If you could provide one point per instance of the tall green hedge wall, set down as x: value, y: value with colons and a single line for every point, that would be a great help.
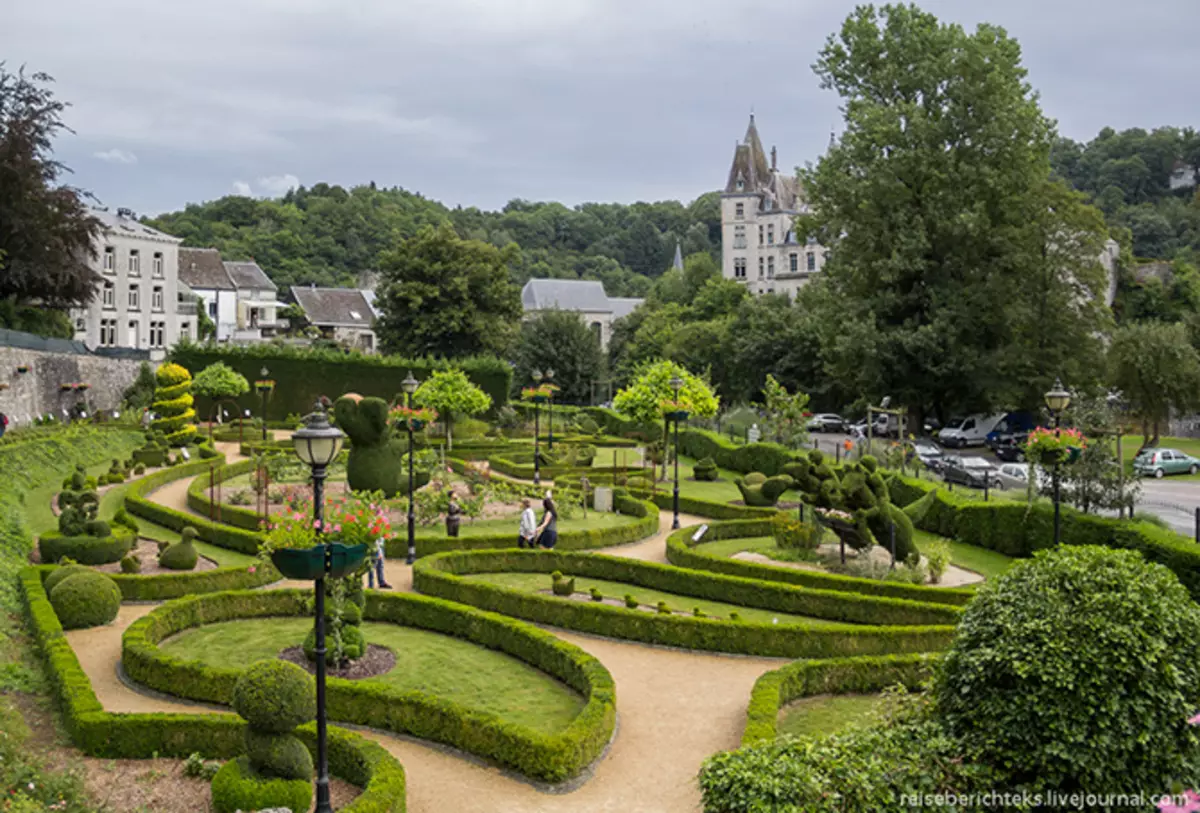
x: 301, y: 375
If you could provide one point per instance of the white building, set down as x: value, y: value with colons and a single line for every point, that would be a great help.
x: 588, y: 298
x: 238, y: 296
x: 137, y: 305
x: 257, y: 305
x: 758, y: 210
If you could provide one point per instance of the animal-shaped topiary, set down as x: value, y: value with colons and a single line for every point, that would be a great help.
x: 561, y: 585
x: 273, y: 697
x: 764, y: 493
x: 376, y: 458
x: 182, y: 554
x: 78, y: 506
x: 705, y: 469
x: 354, y: 642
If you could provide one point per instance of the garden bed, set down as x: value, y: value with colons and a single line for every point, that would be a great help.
x: 147, y: 551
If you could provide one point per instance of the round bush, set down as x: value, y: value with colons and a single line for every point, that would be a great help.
x: 86, y: 599
x: 56, y: 576
x: 279, y: 755
x: 238, y: 787
x: 275, y: 696
x: 1077, y: 670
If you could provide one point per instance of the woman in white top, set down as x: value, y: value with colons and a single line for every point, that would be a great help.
x: 525, y: 537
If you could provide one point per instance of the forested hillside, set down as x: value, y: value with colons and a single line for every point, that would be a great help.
x: 327, y: 234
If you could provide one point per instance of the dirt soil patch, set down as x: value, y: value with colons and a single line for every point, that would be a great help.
x: 378, y: 660
x: 147, y: 551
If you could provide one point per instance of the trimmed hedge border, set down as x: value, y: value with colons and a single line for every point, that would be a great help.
x: 165, y: 586
x: 1017, y: 529
x: 775, y: 689
x: 142, y: 736
x: 86, y: 550
x: 912, y: 626
x: 550, y: 758
x: 708, y: 509
x: 680, y: 552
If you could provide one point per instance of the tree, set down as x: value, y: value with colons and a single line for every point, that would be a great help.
x: 785, y: 413
x: 644, y: 398
x: 1097, y: 480
x: 218, y: 380
x: 925, y: 204
x: 445, y: 296
x: 1157, y: 370
x: 560, y: 341
x: 206, y: 329
x: 452, y: 395
x: 46, y: 231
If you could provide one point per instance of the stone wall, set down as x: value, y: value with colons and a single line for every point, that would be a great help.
x: 39, y: 391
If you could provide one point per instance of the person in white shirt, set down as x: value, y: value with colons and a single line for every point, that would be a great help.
x: 376, y: 569
x: 525, y: 537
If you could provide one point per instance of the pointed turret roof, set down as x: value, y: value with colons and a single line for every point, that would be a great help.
x: 749, y: 163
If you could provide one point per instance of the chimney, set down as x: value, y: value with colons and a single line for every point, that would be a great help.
x: 773, y: 167
x: 125, y: 213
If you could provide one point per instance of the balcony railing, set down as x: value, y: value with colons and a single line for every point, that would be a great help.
x: 186, y: 309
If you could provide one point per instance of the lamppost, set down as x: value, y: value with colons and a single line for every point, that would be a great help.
x: 676, y: 385
x: 550, y: 407
x: 264, y: 391
x: 409, y: 385
x: 536, y: 375
x: 317, y: 444
x: 1057, y: 400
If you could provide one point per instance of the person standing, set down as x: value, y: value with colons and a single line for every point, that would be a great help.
x: 453, y: 515
x: 376, y: 569
x: 527, y: 535
x: 547, y: 532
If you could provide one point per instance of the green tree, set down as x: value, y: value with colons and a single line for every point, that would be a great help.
x: 46, y: 230
x: 925, y: 203
x: 453, y: 395
x: 785, y: 413
x: 560, y: 341
x: 219, y: 380
x: 206, y: 329
x: 445, y: 296
x: 643, y: 399
x: 1156, y: 370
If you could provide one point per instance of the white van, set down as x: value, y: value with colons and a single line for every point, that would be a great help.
x: 970, y: 431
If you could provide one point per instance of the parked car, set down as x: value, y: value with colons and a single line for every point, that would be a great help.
x: 1016, y: 475
x: 970, y: 471
x: 1014, y: 423
x: 1012, y: 448
x: 826, y: 422
x: 970, y: 431
x: 928, y: 453
x: 1160, y: 462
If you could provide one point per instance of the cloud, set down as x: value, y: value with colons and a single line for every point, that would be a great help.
x: 242, y: 188
x: 115, y: 156
x: 270, y: 186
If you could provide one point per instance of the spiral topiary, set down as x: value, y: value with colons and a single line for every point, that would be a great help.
x: 173, y: 403
x: 86, y: 599
x: 181, y: 555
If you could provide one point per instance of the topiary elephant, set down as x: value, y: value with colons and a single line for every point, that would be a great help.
x: 764, y: 493
x: 376, y: 458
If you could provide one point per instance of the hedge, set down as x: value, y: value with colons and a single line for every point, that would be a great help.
x: 86, y: 550
x: 681, y: 551
x: 768, y: 458
x: 911, y: 626
x: 1016, y: 529
x: 775, y: 689
x: 585, y: 539
x: 143, y: 736
x: 547, y: 757
x: 302, y: 375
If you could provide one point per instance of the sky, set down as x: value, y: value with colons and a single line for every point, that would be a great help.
x: 477, y: 102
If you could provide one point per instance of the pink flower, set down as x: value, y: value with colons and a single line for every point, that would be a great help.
x: 1189, y: 802
x: 251, y: 569
x: 1194, y: 720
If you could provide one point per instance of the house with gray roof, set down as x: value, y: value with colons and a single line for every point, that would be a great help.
x: 586, y: 297
x: 257, y: 304
x: 239, y: 297
x: 340, y: 314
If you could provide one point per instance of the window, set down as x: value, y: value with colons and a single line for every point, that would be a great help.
x: 212, y: 309
x: 760, y: 267
x: 135, y: 261
x: 760, y: 235
x: 811, y: 259
x: 156, y: 298
x: 741, y: 185
x: 135, y: 298
x: 132, y: 335
x: 185, y: 329
x: 794, y: 262
x: 770, y: 268
x: 109, y: 296
x: 739, y: 211
x: 739, y: 268
x: 771, y: 235
x: 108, y: 332
x: 110, y: 259
x: 80, y: 325
x: 739, y: 236
x: 158, y: 264
x: 157, y: 331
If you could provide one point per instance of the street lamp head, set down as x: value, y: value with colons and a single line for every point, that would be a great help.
x: 886, y: 402
x: 317, y: 443
x: 676, y: 383
x: 549, y: 375
x: 536, y: 375
x: 1057, y: 399
x: 409, y: 384
x: 264, y: 372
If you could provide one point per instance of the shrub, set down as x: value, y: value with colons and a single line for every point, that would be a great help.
x: 125, y: 520
x: 597, y: 595
x: 937, y: 554
x: 762, y: 493
x: 275, y: 696
x: 562, y: 586
x: 86, y: 599
x: 631, y: 602
x: 882, y: 519
x: 139, y: 468
x: 705, y: 469
x: 132, y: 563
x: 238, y: 787
x: 197, y: 767
x: 88, y: 550
x: 1078, y: 669
x: 354, y: 645
x: 181, y: 555
x: 663, y: 608
x: 754, y: 478
x: 280, y: 755
x: 60, y: 573
x: 792, y: 534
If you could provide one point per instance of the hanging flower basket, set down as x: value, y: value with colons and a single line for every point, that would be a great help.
x: 66, y: 387
x: 264, y: 385
x: 674, y: 411
x: 306, y: 564
x: 1050, y: 447
x: 415, y: 420
x: 539, y: 395
x: 80, y: 387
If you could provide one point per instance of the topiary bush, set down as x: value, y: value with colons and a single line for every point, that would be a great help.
x: 181, y: 555
x: 705, y: 469
x: 281, y: 756
x: 754, y: 478
x: 238, y: 787
x: 131, y: 563
x: 1077, y: 670
x: 60, y: 573
x: 561, y: 585
x: 173, y: 404
x: 376, y: 458
x: 762, y: 493
x: 275, y: 696
x: 85, y: 599
x: 792, y: 534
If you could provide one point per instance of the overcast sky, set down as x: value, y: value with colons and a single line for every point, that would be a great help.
x: 475, y: 102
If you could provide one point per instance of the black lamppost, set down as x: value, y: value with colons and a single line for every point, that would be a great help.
x: 264, y: 390
x: 676, y: 385
x: 410, y: 384
x: 536, y: 375
x: 317, y: 444
x: 1057, y: 400
x: 550, y: 407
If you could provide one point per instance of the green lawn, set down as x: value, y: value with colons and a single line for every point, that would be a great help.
x: 535, y: 582
x: 987, y: 563
x: 826, y: 714
x: 440, y: 665
x: 1131, y: 443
